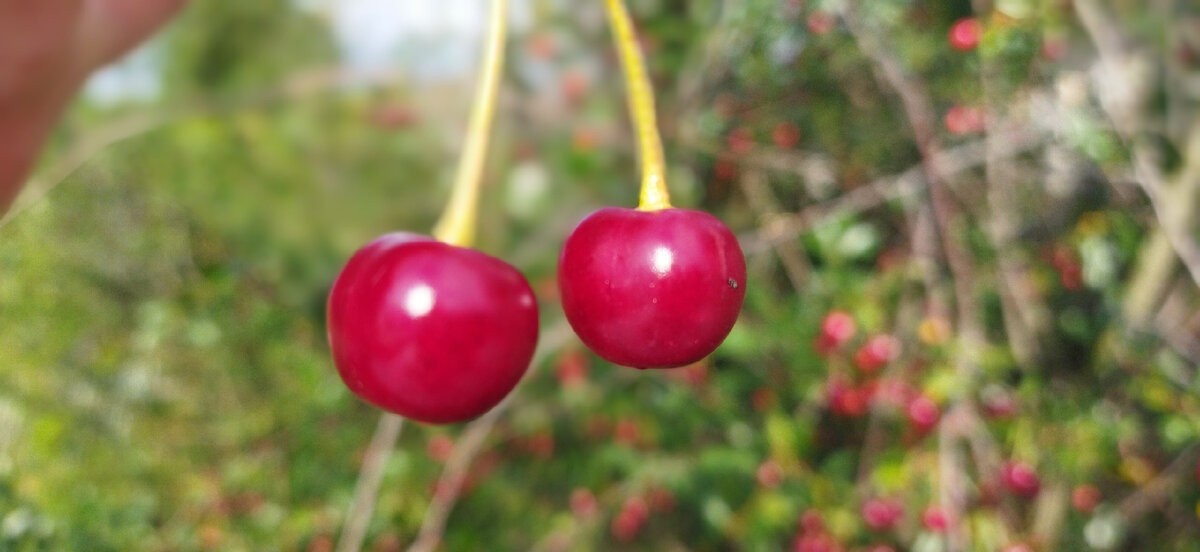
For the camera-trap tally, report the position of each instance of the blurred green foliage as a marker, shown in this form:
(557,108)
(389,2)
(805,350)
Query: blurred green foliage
(165,382)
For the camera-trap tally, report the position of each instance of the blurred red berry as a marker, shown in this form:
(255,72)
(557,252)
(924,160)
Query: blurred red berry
(935,519)
(695,374)
(848,401)
(542,46)
(395,116)
(961,119)
(740,140)
(541,444)
(876,353)
(583,503)
(725,169)
(965,33)
(320,543)
(836,329)
(820,22)
(895,392)
(574,86)
(626,526)
(584,139)
(998,402)
(769,474)
(819,542)
(627,433)
(785,135)
(811,521)
(882,513)
(1066,262)
(597,427)
(725,104)
(1018,547)
(1085,498)
(636,507)
(763,399)
(1054,49)
(1020,478)
(387,542)
(923,413)
(572,368)
(661,499)
(439,448)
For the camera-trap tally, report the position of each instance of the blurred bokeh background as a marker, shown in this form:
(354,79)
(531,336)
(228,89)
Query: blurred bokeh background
(995,199)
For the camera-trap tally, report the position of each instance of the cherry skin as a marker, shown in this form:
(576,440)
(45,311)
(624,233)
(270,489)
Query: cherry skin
(652,289)
(430,331)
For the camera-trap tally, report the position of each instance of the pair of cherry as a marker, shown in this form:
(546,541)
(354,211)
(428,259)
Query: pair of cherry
(441,334)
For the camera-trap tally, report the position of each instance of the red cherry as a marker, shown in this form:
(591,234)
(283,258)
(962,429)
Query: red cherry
(836,329)
(430,331)
(965,33)
(935,519)
(923,413)
(1085,498)
(583,503)
(882,513)
(652,289)
(876,353)
(1020,478)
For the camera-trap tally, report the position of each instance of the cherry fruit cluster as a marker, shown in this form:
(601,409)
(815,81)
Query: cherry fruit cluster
(440,333)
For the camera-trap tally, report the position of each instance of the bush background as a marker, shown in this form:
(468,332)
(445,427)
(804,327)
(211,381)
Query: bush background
(165,382)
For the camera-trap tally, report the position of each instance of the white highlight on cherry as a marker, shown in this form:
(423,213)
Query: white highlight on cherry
(661,261)
(418,301)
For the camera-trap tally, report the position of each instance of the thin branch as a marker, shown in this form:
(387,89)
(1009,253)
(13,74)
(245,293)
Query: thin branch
(763,202)
(358,517)
(919,111)
(1020,324)
(1123,94)
(1150,495)
(948,163)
